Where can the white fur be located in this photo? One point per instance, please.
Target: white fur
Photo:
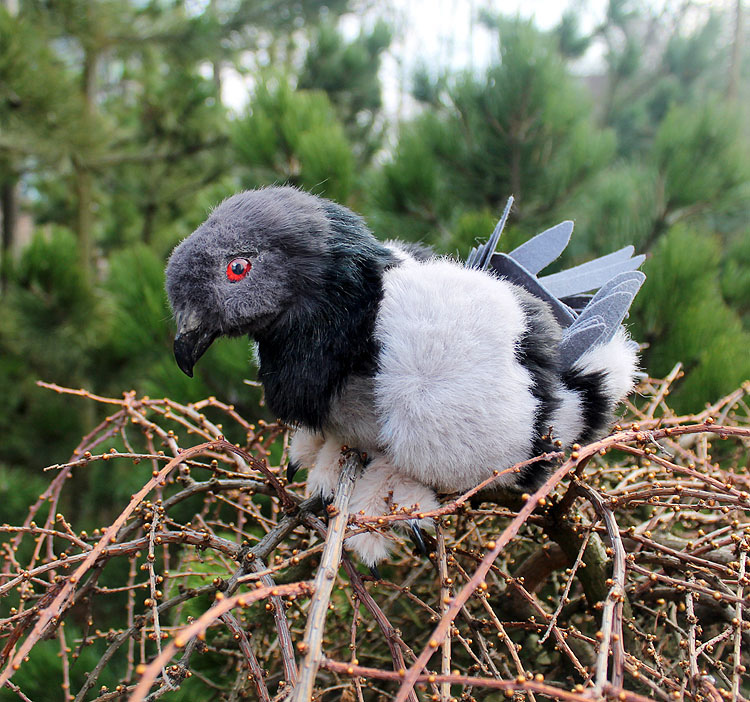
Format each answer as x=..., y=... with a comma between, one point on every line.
x=453, y=401
x=618, y=360
x=324, y=475
x=304, y=447
x=397, y=251
x=566, y=420
x=380, y=489
x=371, y=547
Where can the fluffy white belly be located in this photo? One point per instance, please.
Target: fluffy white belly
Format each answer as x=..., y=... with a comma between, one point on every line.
x=452, y=402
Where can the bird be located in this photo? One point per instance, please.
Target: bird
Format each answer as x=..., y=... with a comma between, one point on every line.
x=440, y=372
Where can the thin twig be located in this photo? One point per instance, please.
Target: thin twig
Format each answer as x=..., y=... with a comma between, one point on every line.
x=325, y=578
x=445, y=598
x=447, y=620
x=282, y=626
x=692, y=653
x=247, y=649
x=564, y=597
x=612, y=611
x=199, y=626
x=520, y=683
x=737, y=671
x=55, y=609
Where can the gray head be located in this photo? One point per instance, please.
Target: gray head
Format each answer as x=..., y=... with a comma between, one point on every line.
x=259, y=256
x=231, y=275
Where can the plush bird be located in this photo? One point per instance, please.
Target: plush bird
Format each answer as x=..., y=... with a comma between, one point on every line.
x=440, y=372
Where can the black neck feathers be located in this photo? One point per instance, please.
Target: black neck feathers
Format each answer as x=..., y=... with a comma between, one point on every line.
x=327, y=333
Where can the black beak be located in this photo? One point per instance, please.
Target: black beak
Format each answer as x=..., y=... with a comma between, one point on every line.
x=189, y=346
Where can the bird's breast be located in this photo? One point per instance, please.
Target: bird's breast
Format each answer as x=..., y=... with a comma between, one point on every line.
x=452, y=400
x=352, y=417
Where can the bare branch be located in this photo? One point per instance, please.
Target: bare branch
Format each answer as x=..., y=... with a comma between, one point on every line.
x=329, y=565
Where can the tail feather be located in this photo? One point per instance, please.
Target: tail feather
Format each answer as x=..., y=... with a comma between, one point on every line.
x=603, y=377
x=600, y=320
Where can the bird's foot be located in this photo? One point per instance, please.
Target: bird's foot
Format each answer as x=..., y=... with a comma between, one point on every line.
x=291, y=470
x=417, y=537
x=375, y=572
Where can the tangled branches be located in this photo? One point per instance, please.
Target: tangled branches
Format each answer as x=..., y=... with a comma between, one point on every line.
x=625, y=575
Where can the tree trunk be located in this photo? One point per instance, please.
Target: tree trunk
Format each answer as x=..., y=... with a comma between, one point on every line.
x=216, y=63
x=515, y=171
x=84, y=220
x=736, y=61
x=83, y=179
x=8, y=200
x=9, y=205
x=149, y=216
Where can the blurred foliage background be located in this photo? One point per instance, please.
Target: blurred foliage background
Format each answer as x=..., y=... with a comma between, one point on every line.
x=116, y=138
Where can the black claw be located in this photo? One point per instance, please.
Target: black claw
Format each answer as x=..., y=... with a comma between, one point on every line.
x=417, y=538
x=327, y=500
x=291, y=470
x=375, y=572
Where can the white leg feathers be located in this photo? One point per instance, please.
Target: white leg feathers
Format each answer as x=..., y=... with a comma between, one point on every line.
x=381, y=489
x=304, y=447
x=324, y=473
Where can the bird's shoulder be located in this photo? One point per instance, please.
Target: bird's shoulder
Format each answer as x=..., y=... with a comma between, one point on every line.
x=442, y=296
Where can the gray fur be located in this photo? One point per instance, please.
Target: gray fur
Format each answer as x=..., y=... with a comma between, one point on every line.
x=352, y=417
x=263, y=226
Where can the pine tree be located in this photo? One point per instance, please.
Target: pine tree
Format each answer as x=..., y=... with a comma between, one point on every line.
x=294, y=137
x=682, y=316
x=524, y=127
x=119, y=135
x=348, y=73
x=38, y=105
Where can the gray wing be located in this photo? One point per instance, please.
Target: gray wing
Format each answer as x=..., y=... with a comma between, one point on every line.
x=569, y=287
x=579, y=338
x=566, y=291
x=589, y=301
x=592, y=274
x=601, y=317
x=538, y=252
x=479, y=257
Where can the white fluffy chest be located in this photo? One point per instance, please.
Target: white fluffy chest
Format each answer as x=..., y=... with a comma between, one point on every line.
x=452, y=401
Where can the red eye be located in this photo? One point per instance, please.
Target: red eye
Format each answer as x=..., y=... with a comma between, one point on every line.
x=237, y=269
